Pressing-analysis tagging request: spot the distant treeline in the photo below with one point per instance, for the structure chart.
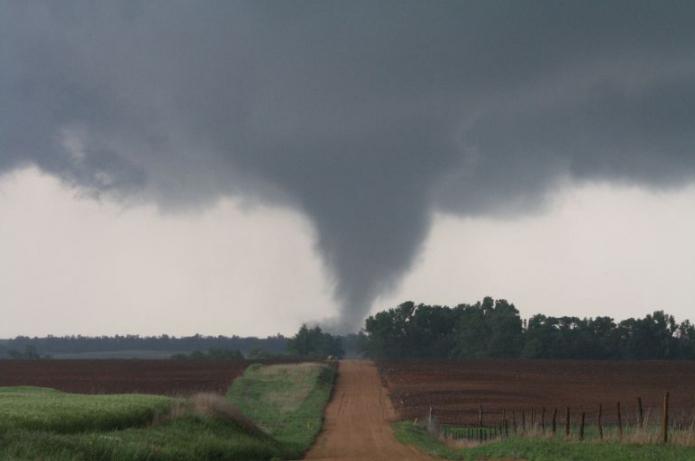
(58, 345)
(307, 342)
(490, 329)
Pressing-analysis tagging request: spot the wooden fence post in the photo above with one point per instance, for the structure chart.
(514, 421)
(533, 418)
(523, 421)
(543, 420)
(664, 420)
(567, 422)
(641, 412)
(504, 432)
(554, 421)
(600, 421)
(581, 426)
(480, 422)
(620, 422)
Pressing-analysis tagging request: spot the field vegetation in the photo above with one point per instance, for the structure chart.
(635, 447)
(287, 401)
(50, 410)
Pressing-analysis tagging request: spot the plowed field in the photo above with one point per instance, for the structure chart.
(456, 389)
(169, 377)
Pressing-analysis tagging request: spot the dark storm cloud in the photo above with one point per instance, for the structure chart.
(366, 116)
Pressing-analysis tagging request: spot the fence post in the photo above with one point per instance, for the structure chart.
(664, 419)
(503, 431)
(533, 418)
(620, 422)
(480, 422)
(523, 421)
(641, 412)
(543, 420)
(514, 421)
(600, 421)
(581, 426)
(567, 422)
(554, 421)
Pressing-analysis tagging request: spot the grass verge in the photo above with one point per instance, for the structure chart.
(541, 449)
(285, 400)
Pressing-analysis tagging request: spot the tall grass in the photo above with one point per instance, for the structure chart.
(649, 433)
(536, 446)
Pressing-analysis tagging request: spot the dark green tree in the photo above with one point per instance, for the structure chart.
(313, 342)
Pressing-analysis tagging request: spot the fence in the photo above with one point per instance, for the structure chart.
(577, 423)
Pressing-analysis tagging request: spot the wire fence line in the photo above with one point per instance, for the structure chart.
(617, 421)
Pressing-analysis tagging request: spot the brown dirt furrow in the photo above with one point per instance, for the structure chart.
(456, 389)
(358, 420)
(171, 377)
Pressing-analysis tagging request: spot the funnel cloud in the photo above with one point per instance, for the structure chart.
(367, 117)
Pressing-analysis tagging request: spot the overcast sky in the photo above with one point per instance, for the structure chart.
(241, 167)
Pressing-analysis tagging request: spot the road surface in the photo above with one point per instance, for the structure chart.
(358, 420)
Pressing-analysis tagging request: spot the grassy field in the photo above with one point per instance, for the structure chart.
(46, 424)
(542, 449)
(285, 400)
(34, 408)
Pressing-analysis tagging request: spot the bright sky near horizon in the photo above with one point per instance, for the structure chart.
(73, 264)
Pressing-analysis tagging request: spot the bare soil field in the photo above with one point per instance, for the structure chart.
(456, 389)
(169, 377)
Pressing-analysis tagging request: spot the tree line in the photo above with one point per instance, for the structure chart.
(307, 343)
(494, 329)
(56, 345)
(487, 329)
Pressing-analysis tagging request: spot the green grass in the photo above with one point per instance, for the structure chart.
(542, 449)
(42, 409)
(285, 400)
(189, 438)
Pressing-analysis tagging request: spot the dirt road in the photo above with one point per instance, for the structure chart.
(357, 425)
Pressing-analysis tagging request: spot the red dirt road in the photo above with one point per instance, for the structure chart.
(358, 420)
